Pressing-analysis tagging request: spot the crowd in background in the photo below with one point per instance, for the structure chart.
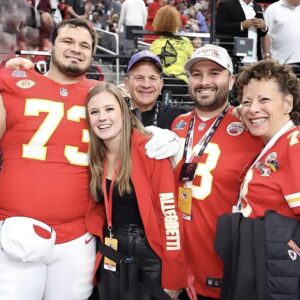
(26, 24)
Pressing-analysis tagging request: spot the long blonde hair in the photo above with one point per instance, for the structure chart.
(97, 148)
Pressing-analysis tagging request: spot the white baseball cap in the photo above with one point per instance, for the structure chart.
(26, 239)
(210, 52)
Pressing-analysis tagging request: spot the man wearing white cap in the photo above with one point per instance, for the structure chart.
(214, 149)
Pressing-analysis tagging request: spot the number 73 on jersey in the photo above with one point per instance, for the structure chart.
(36, 148)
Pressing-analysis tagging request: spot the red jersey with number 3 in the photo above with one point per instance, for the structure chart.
(273, 182)
(214, 190)
(44, 173)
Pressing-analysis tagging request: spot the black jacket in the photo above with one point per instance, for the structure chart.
(166, 114)
(229, 16)
(258, 262)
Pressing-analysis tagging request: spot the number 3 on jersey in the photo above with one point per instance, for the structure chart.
(200, 192)
(36, 147)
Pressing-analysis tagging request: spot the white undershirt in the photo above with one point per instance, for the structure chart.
(252, 32)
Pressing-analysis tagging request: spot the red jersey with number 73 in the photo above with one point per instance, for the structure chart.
(45, 162)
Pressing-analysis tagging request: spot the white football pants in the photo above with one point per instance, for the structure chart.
(65, 274)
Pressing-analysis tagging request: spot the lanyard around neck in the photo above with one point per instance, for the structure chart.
(206, 138)
(108, 197)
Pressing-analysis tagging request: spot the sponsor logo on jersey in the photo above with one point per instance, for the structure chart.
(19, 74)
(264, 170)
(25, 83)
(63, 92)
(87, 240)
(171, 221)
(213, 282)
(180, 125)
(235, 128)
(201, 126)
(271, 162)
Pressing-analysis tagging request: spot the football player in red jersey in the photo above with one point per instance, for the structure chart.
(44, 179)
(47, 252)
(268, 92)
(215, 149)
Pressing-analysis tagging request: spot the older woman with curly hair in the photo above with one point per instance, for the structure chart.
(269, 94)
(265, 265)
(173, 51)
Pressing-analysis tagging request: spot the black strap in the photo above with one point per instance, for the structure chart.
(155, 289)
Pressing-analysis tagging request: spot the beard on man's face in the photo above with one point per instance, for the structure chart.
(71, 69)
(210, 104)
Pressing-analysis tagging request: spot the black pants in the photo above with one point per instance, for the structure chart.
(128, 32)
(184, 296)
(131, 241)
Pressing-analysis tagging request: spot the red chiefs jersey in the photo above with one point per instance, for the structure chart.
(45, 162)
(215, 189)
(273, 182)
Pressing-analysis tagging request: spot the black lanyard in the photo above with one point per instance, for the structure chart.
(208, 136)
(138, 114)
(155, 118)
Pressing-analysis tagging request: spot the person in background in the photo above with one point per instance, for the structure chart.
(133, 16)
(180, 6)
(173, 51)
(283, 40)
(196, 19)
(214, 149)
(141, 215)
(12, 17)
(241, 18)
(153, 8)
(144, 84)
(197, 42)
(76, 9)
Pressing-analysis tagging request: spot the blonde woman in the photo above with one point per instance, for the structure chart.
(135, 199)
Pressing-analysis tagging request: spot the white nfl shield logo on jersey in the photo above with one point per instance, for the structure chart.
(63, 92)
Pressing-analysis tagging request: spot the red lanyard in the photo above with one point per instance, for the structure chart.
(108, 198)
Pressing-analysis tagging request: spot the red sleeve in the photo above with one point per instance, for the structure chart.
(173, 257)
(152, 10)
(291, 187)
(184, 20)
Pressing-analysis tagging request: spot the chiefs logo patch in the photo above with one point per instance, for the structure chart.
(25, 83)
(235, 128)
